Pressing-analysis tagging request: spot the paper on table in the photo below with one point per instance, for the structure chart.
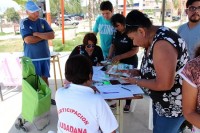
(98, 74)
(134, 89)
(113, 88)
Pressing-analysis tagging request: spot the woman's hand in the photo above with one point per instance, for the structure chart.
(130, 80)
(132, 72)
(95, 89)
(66, 83)
(116, 59)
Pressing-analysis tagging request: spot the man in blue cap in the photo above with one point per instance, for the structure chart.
(36, 32)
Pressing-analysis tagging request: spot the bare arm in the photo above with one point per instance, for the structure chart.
(165, 61)
(38, 37)
(128, 54)
(45, 36)
(111, 51)
(32, 39)
(189, 104)
(114, 132)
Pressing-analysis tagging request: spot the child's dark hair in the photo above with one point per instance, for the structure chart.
(78, 68)
(117, 18)
(189, 2)
(106, 5)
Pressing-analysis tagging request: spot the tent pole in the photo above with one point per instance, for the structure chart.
(163, 12)
(124, 8)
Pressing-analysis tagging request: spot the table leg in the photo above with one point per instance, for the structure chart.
(60, 71)
(1, 94)
(121, 114)
(117, 113)
(54, 70)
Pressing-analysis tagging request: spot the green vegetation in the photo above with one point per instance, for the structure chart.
(3, 33)
(11, 45)
(12, 15)
(16, 45)
(69, 44)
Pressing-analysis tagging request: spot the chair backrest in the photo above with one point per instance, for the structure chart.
(11, 70)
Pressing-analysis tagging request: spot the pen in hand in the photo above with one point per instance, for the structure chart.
(125, 88)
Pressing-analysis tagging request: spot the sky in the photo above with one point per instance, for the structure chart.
(6, 4)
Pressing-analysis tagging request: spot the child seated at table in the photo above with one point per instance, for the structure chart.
(78, 106)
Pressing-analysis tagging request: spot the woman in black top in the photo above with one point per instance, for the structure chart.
(122, 49)
(89, 49)
(165, 54)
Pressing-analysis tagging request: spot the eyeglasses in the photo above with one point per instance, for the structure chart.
(90, 46)
(193, 8)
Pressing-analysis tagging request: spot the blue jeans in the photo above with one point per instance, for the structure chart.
(162, 124)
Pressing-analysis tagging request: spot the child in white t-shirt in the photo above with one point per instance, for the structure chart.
(79, 107)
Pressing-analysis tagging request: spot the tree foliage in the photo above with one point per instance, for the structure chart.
(12, 15)
(55, 7)
(176, 4)
(73, 6)
(21, 2)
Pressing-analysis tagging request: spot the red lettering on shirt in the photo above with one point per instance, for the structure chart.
(72, 129)
(79, 115)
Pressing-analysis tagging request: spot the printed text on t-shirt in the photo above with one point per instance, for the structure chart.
(62, 110)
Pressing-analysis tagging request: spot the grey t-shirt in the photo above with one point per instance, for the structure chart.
(191, 37)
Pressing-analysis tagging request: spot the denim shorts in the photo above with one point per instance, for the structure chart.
(162, 124)
(42, 68)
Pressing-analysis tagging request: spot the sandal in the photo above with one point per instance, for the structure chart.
(127, 109)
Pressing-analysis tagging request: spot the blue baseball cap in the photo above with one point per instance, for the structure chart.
(31, 7)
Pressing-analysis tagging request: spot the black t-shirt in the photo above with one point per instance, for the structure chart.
(166, 103)
(122, 45)
(96, 57)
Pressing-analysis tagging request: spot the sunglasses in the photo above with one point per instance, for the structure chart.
(193, 8)
(90, 46)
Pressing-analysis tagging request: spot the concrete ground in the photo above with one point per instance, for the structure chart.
(10, 109)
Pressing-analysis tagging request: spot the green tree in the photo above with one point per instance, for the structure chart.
(73, 6)
(12, 15)
(55, 7)
(21, 2)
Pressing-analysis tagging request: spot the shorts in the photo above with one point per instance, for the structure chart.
(42, 68)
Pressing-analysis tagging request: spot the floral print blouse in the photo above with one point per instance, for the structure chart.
(191, 74)
(166, 103)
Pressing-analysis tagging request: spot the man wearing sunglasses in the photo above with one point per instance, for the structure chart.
(89, 49)
(190, 31)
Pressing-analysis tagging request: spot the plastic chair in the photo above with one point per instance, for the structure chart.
(146, 97)
(10, 69)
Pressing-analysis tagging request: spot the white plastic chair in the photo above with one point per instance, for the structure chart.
(10, 69)
(146, 97)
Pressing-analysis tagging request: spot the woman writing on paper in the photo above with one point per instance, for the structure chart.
(164, 55)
